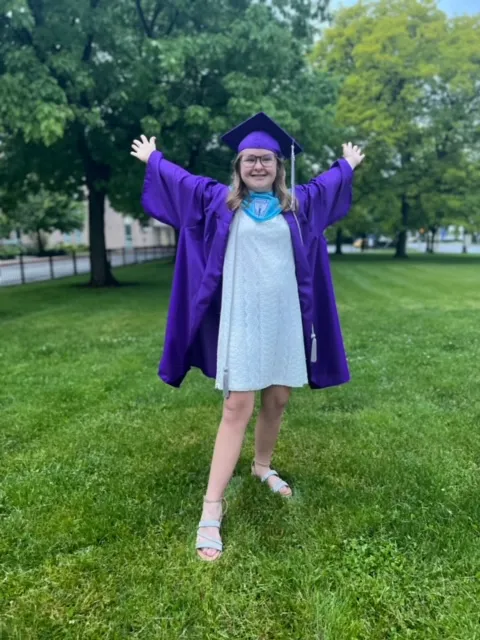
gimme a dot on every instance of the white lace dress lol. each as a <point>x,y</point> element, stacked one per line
<point>261,336</point>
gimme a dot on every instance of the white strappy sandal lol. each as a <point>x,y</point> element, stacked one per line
<point>280,484</point>
<point>206,542</point>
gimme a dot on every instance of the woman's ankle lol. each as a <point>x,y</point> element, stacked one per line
<point>213,498</point>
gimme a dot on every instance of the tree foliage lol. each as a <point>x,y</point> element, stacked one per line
<point>40,211</point>
<point>82,78</point>
<point>411,95</point>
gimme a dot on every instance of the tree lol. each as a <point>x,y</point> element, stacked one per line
<point>82,78</point>
<point>410,95</point>
<point>40,211</point>
<point>217,82</point>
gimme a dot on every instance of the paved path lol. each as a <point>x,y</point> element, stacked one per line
<point>445,247</point>
<point>36,269</point>
<point>63,266</point>
<point>419,247</point>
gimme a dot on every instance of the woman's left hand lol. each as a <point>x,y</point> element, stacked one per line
<point>352,154</point>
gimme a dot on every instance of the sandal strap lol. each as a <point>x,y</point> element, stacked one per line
<point>268,475</point>
<point>223,502</point>
<point>260,464</point>
<point>209,523</point>
<point>209,543</point>
<point>206,542</point>
<point>279,485</point>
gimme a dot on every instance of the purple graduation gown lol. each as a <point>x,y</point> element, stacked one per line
<point>196,207</point>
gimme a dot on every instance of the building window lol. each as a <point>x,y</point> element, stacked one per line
<point>128,236</point>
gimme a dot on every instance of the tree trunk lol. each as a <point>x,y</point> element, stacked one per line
<point>401,249</point>
<point>97,176</point>
<point>338,242</point>
<point>100,273</point>
<point>428,243</point>
<point>41,248</point>
<point>431,235</point>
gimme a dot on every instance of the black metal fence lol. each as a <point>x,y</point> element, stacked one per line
<point>26,269</point>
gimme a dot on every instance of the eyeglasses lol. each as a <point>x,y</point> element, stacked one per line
<point>250,161</point>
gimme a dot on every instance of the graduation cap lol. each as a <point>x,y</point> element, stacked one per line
<point>261,132</point>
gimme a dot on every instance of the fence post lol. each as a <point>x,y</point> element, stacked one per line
<point>74,258</point>
<point>52,274</point>
<point>22,269</point>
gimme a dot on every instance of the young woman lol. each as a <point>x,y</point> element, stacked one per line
<point>252,303</point>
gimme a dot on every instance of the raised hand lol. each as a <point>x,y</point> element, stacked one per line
<point>143,149</point>
<point>352,154</point>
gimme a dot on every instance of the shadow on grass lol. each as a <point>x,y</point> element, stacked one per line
<point>156,278</point>
<point>82,286</point>
<point>138,280</point>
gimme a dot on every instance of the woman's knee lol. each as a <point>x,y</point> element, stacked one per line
<point>239,407</point>
<point>275,399</point>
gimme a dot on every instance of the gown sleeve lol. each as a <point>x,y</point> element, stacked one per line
<point>174,196</point>
<point>327,198</point>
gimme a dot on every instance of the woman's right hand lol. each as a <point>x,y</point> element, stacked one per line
<point>144,148</point>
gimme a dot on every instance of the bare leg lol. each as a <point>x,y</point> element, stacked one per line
<point>274,401</point>
<point>237,411</point>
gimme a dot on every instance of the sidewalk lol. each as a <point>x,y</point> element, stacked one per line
<point>33,269</point>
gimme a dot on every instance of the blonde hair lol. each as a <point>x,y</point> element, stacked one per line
<point>239,190</point>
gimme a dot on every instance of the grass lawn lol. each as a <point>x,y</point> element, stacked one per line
<point>103,468</point>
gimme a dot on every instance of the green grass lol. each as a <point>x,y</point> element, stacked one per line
<point>103,468</point>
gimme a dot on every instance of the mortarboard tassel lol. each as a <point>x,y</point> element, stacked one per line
<point>313,353</point>
<point>226,391</point>
<point>292,178</point>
